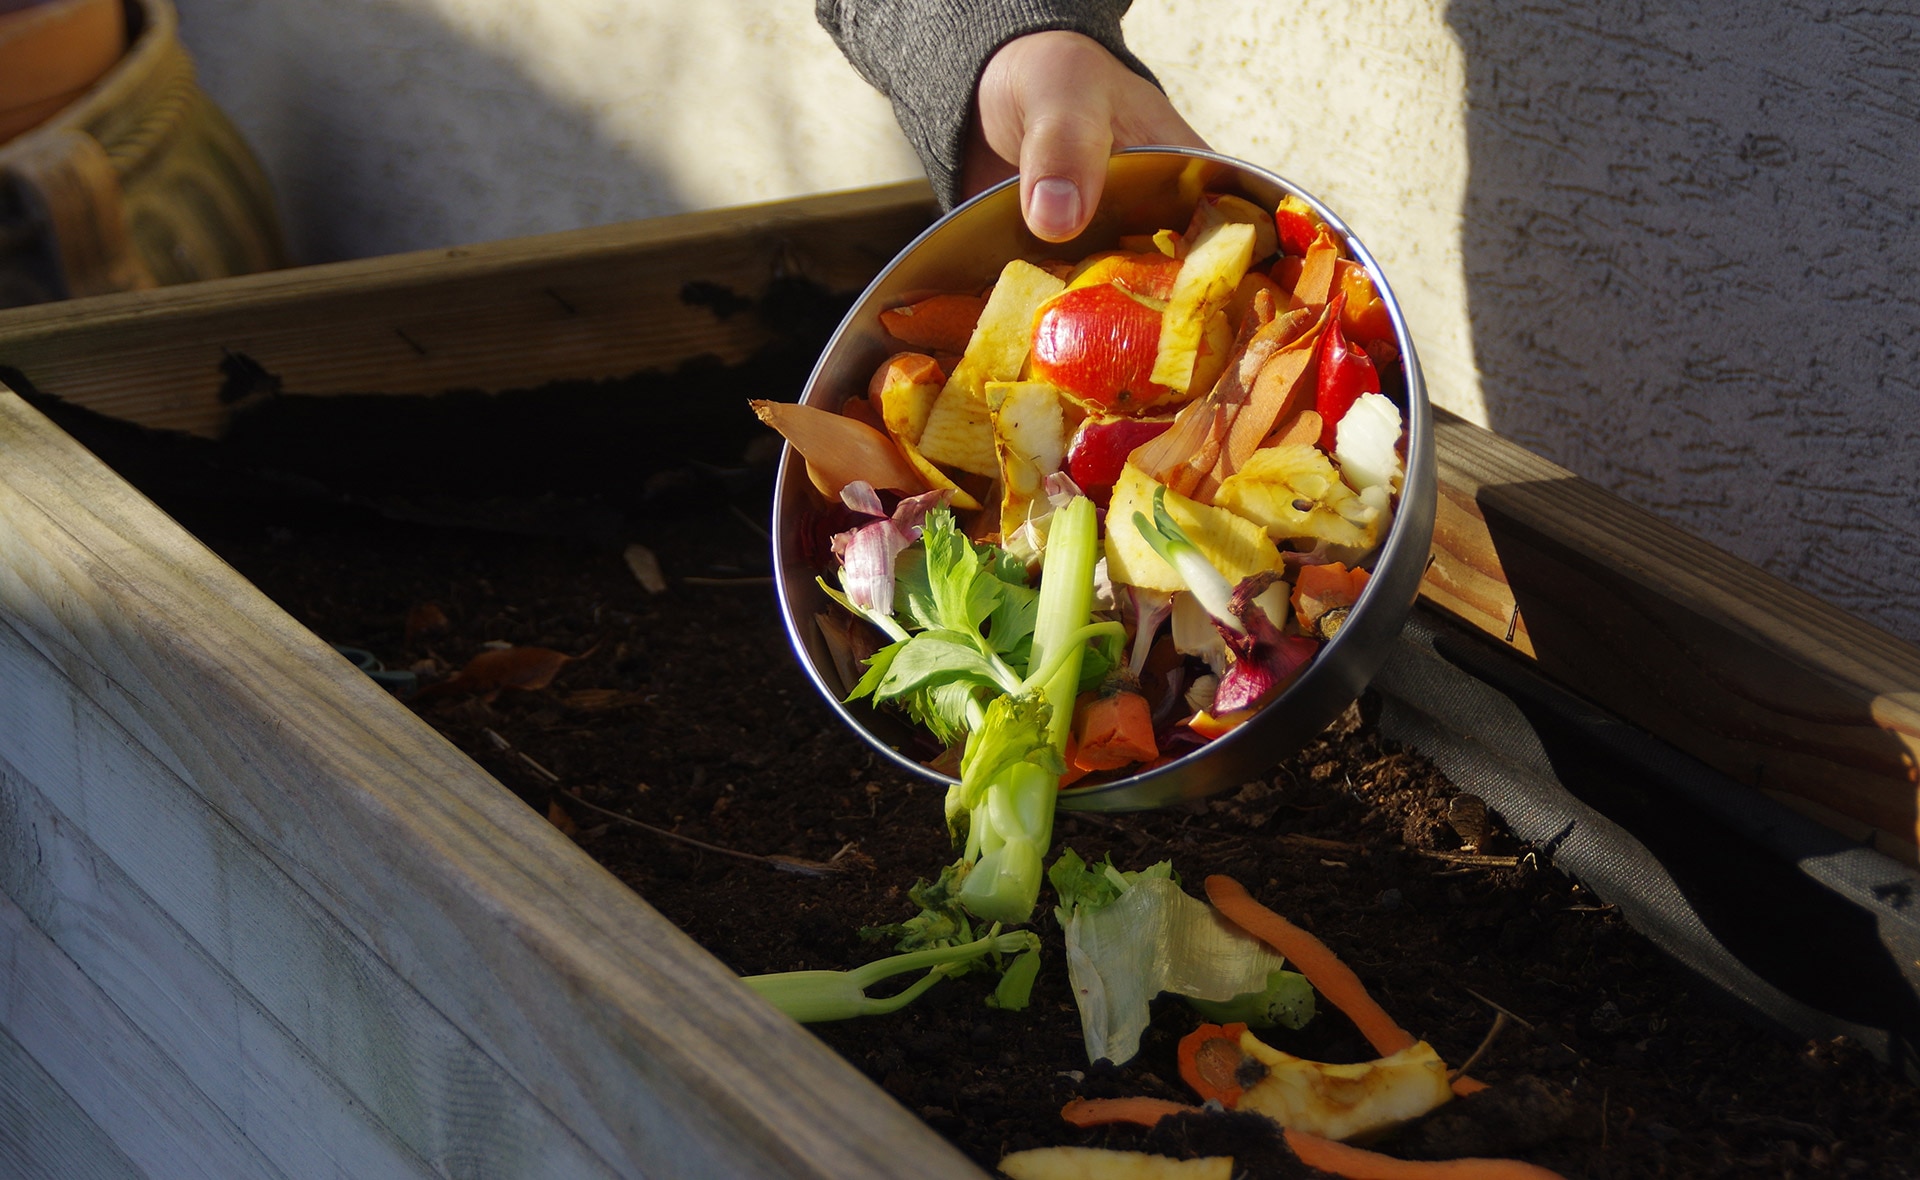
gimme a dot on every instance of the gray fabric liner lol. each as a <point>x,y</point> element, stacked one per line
<point>1478,714</point>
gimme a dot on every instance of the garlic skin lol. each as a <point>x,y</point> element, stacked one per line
<point>1367,442</point>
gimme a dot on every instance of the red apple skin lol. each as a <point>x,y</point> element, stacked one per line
<point>1151,275</point>
<point>1097,344</point>
<point>1297,225</point>
<point>1100,448</point>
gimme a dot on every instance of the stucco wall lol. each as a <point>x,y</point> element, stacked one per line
<point>1673,246</point>
<point>391,125</point>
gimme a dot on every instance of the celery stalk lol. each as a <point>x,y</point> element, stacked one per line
<point>1066,603</point>
<point>1010,773</point>
<point>814,996</point>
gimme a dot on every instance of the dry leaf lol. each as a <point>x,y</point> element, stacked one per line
<point>525,668</point>
<point>646,568</point>
<point>558,817</point>
<point>425,619</point>
<point>601,700</point>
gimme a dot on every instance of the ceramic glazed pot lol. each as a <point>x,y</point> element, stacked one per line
<point>50,52</point>
<point>137,182</point>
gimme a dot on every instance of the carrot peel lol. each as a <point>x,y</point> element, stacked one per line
<point>1354,1163</point>
<point>1099,1112</point>
<point>1313,959</point>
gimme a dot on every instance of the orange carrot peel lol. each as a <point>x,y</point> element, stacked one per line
<point>941,322</point>
<point>1313,959</point>
<point>1145,1112</point>
<point>1323,969</point>
<point>1354,1163</point>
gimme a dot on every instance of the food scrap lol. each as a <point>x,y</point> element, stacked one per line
<point>1222,393</point>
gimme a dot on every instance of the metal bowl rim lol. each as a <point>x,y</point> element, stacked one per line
<point>1127,793</point>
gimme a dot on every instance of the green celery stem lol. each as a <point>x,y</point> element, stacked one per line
<point>1066,603</point>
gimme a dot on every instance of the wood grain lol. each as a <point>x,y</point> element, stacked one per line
<point>277,1015</point>
<point>145,1109</point>
<point>1761,680</point>
<point>615,1025</point>
<point>600,302</point>
<point>47,1134</point>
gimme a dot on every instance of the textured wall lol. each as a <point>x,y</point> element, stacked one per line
<point>1673,246</point>
<point>392,125</point>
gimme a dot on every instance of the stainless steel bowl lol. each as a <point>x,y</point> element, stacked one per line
<point>1147,189</point>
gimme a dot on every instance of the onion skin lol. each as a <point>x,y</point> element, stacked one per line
<point>840,450</point>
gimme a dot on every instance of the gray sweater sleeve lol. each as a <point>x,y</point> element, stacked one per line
<point>927,55</point>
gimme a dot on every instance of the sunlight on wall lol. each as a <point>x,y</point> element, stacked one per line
<point>1363,104</point>
<point>393,125</point>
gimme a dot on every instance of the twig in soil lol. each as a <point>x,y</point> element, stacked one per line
<point>538,769</point>
<point>1486,1042</point>
<point>1470,859</point>
<point>764,580</point>
<point>842,861</point>
<point>1507,1012</point>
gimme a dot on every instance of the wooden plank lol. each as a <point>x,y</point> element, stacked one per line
<point>43,1132</point>
<point>1756,678</point>
<point>623,1030</point>
<point>598,302</point>
<point>126,1087</point>
<point>303,1039</point>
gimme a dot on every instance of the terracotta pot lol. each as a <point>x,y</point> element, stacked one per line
<point>50,53</point>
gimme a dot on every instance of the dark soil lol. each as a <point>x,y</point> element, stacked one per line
<point>686,711</point>
<point>690,714</point>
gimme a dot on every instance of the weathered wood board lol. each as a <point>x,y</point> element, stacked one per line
<point>503,315</point>
<point>261,920</point>
<point>1762,681</point>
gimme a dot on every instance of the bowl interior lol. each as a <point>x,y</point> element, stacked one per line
<point>1146,190</point>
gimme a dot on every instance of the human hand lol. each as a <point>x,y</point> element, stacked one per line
<point>1052,106</point>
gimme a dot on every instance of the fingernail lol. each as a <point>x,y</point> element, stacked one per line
<point>1053,208</point>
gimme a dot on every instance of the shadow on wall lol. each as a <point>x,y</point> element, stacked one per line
<point>375,120</point>
<point>1692,249</point>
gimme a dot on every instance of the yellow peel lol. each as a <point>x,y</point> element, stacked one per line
<point>959,431</point>
<point>1236,547</point>
<point>1212,269</point>
<point>1099,1163</point>
<point>1029,437</point>
<point>1342,1101</point>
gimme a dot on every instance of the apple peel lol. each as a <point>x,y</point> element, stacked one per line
<point>959,429</point>
<point>1208,278</point>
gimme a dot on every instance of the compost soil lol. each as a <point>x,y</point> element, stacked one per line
<point>427,541</point>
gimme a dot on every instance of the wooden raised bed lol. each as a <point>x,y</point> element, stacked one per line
<point>256,917</point>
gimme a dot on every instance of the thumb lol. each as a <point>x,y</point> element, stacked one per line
<point>1063,167</point>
